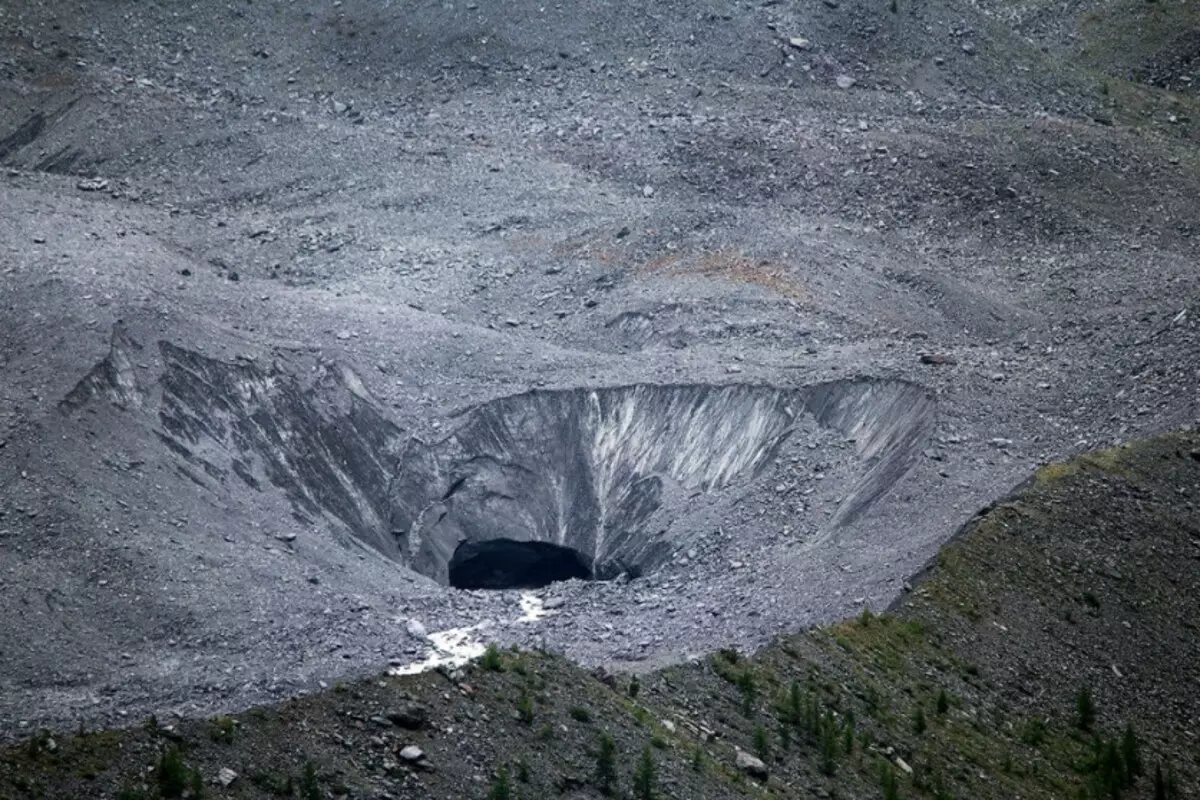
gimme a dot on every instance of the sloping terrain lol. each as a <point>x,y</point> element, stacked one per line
<point>1081,581</point>
<point>332,330</point>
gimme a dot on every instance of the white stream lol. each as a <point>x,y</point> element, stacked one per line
<point>456,646</point>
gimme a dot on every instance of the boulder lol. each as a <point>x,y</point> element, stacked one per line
<point>754,767</point>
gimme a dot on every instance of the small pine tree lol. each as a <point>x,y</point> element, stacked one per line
<point>606,764</point>
<point>635,686</point>
<point>795,703</point>
<point>762,746</point>
<point>943,702</point>
<point>196,782</point>
<point>848,737</point>
<point>919,724</point>
<point>310,789</point>
<point>1160,783</point>
<point>749,691</point>
<point>889,782</point>
<point>1085,709</point>
<point>1131,755</point>
<point>785,736</point>
<point>1172,783</point>
<point>698,759</point>
<point>500,788</point>
<point>643,776</point>
<point>829,745</point>
<point>812,719</point>
<point>523,771</point>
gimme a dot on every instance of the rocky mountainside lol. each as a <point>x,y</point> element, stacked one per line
<point>1049,652</point>
<point>346,336</point>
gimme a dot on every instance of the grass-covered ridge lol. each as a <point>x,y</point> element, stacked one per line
<point>1050,652</point>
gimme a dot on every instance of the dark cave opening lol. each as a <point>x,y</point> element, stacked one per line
<point>512,564</point>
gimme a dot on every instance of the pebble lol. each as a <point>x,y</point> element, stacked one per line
<point>845,81</point>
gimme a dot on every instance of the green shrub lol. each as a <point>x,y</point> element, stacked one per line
<point>500,789</point>
<point>525,708</point>
<point>1033,732</point>
<point>490,660</point>
<point>635,686</point>
<point>171,773</point>
<point>221,729</point>
<point>580,714</point>
<point>943,702</point>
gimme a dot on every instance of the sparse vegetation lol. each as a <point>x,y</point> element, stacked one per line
<point>580,714</point>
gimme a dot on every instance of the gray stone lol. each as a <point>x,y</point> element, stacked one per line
<point>754,767</point>
<point>226,776</point>
<point>412,753</point>
<point>845,81</point>
<point>412,716</point>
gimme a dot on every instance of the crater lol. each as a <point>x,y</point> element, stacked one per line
<point>526,490</point>
<point>613,481</point>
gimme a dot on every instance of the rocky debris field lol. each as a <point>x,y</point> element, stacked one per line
<point>263,267</point>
